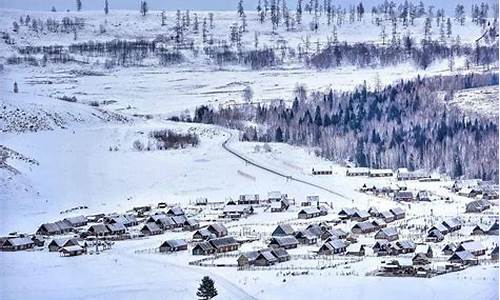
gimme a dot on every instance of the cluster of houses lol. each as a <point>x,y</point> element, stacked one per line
<point>244,206</point>
<point>214,239</point>
<point>99,227</point>
<point>335,240</point>
<point>477,206</point>
<point>486,230</point>
<point>468,252</point>
<point>364,225</point>
<point>263,257</point>
<point>174,218</point>
<point>437,232</point>
<point>473,188</point>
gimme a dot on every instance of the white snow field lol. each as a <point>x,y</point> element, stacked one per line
<point>64,155</point>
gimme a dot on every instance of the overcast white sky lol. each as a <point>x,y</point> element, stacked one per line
<point>190,4</point>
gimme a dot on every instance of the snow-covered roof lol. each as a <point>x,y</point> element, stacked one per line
<point>380,171</point>
<point>462,255</point>
<point>388,231</point>
<point>19,241</point>
<point>174,243</point>
<point>471,246</point>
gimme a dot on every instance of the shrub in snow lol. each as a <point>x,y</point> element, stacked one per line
<point>137,145</point>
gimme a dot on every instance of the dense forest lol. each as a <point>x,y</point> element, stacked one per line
<point>406,124</point>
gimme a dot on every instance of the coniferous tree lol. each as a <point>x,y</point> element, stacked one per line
<point>78,5</point>
<point>106,7</point>
<point>16,90</point>
<point>207,289</point>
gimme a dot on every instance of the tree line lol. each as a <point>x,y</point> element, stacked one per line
<point>405,124</point>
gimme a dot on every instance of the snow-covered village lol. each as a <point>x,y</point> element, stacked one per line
<point>249,149</point>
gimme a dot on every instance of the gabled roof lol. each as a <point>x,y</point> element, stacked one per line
<point>348,211</point>
<point>337,244</point>
<point>64,225</point>
<point>389,231</point>
<point>18,241</point>
<point>306,234</point>
<point>451,223</point>
<point>336,232</point>
<point>309,210</point>
<point>435,233</point>
<point>151,227</point>
<point>166,221</point>
<point>420,256</point>
<point>381,243</point>
<point>251,255</point>
<point>406,244</point>
<point>439,227</point>
<point>280,252</point>
<point>98,228</point>
<point>76,220</point>
<point>63,242</point>
<point>123,220</point>
<point>286,228</point>
<point>176,211</point>
<point>387,214</point>
<point>116,227</point>
<point>470,246</point>
<point>174,243</point>
<point>361,214</point>
<point>314,229</point>
<point>223,241</point>
<point>50,227</point>
<point>450,246</point>
<point>462,255</point>
<point>204,233</point>
<point>478,204</point>
<point>267,255</point>
<point>179,219</point>
<point>397,211</point>
<point>364,226</point>
<point>218,227</point>
<point>74,248</point>
<point>206,246</point>
<point>191,222</point>
<point>378,222</point>
<point>284,240</point>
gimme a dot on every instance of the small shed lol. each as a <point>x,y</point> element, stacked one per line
<point>151,229</point>
<point>173,245</point>
<point>218,229</point>
<point>389,233</point>
<point>363,228</point>
<point>283,230</point>
<point>398,213</point>
<point>203,248</point>
<point>17,244</point>
<point>72,250</point>
<point>286,242</point>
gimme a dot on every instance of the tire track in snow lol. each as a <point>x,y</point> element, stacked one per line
<point>278,173</point>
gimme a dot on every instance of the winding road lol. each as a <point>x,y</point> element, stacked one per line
<point>278,173</point>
